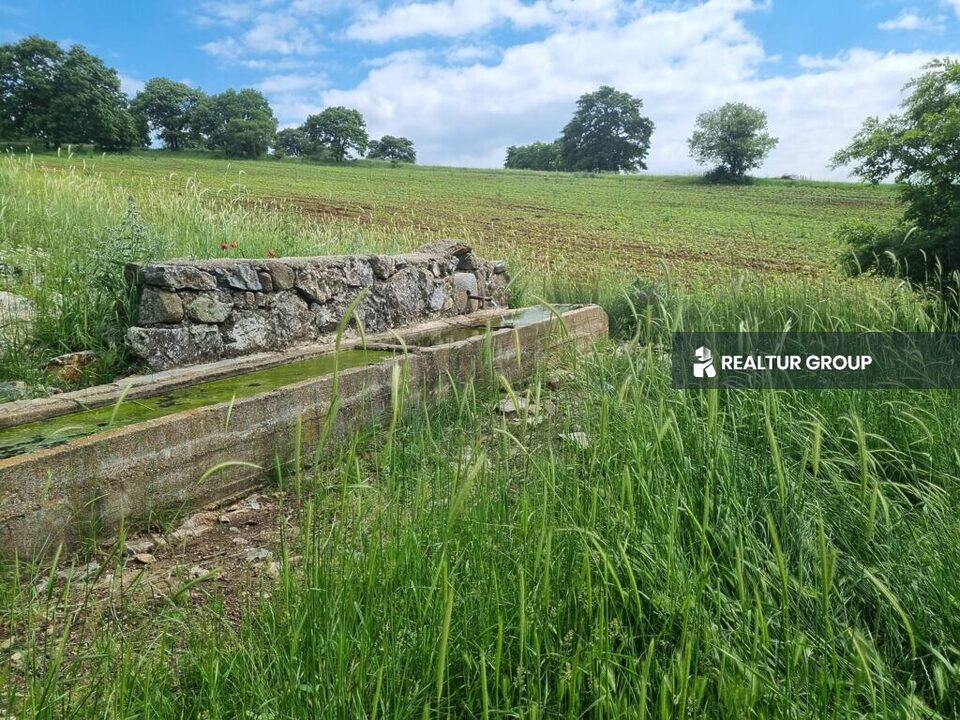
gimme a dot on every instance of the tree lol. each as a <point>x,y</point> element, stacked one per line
<point>28,71</point>
<point>63,97</point>
<point>292,142</point>
<point>920,149</point>
<point>607,133</point>
<point>735,137</point>
<point>394,149</point>
<point>340,129</point>
<point>88,105</point>
<point>238,124</point>
<point>535,156</point>
<point>167,108</point>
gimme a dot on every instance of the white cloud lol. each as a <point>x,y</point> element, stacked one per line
<point>292,83</point>
<point>463,96</point>
<point>450,18</point>
<point>955,4</point>
<point>911,20</point>
<point>226,12</point>
<point>457,18</point>
<point>281,34</point>
<point>293,96</point>
<point>818,62</point>
<point>465,54</point>
<point>262,30</point>
<point>681,61</point>
<point>129,85</point>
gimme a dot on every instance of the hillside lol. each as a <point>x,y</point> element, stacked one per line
<point>582,224</point>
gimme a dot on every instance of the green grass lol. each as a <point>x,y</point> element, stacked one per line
<point>577,223</point>
<point>710,554</point>
<point>69,222</point>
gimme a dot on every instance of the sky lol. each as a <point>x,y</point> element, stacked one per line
<point>464,79</point>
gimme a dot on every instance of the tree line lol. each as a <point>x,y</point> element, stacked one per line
<point>56,97</point>
<point>609,134</point>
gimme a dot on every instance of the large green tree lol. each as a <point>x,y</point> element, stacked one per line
<point>236,123</point>
<point>292,142</point>
<point>535,156</point>
<point>28,72</point>
<point>62,97</point>
<point>167,108</point>
<point>734,137</point>
<point>342,130</point>
<point>920,149</point>
<point>392,148</point>
<point>607,133</point>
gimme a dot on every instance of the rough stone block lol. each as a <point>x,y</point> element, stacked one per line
<point>249,332</point>
<point>165,347</point>
<point>206,308</point>
<point>266,282</point>
<point>177,277</point>
<point>383,266</point>
<point>283,276</point>
<point>243,277</point>
<point>445,248</point>
<point>438,298</point>
<point>357,273</point>
<point>230,307</point>
<point>160,307</point>
<point>318,284</point>
<point>294,321</point>
<point>405,293</point>
<point>467,282</point>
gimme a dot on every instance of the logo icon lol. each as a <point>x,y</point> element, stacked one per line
<point>703,365</point>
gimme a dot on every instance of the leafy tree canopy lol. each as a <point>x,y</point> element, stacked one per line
<point>734,136</point>
<point>607,133</point>
<point>62,97</point>
<point>920,149</point>
<point>342,130</point>
<point>292,142</point>
<point>167,108</point>
<point>28,71</point>
<point>394,149</point>
<point>535,156</point>
<point>236,123</point>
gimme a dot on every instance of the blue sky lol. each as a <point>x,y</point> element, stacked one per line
<point>466,78</point>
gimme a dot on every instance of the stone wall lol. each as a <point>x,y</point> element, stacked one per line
<point>199,311</point>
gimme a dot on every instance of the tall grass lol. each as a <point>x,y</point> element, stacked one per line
<point>67,233</point>
<point>709,554</point>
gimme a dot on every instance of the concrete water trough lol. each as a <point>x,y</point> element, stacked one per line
<point>78,465</point>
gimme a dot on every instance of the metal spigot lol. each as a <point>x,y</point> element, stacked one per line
<point>482,299</point>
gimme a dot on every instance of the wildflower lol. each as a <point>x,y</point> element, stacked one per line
<point>271,253</point>
<point>224,246</point>
<point>234,245</point>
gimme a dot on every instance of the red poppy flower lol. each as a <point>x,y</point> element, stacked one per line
<point>271,253</point>
<point>224,246</point>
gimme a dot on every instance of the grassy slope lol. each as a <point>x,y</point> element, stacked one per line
<point>735,554</point>
<point>62,222</point>
<point>627,224</point>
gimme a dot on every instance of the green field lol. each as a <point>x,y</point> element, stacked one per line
<point>584,224</point>
<point>721,554</point>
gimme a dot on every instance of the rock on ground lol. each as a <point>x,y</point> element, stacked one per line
<point>16,315</point>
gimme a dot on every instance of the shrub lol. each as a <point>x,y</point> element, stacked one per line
<point>919,149</point>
